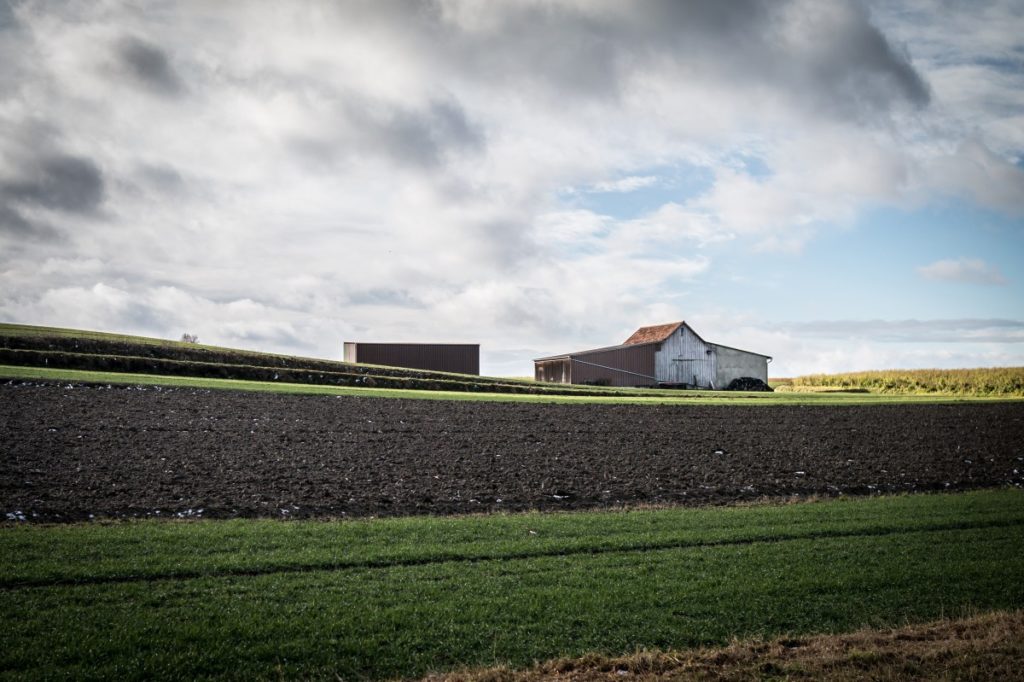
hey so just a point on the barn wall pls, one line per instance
(630, 366)
(350, 352)
(684, 359)
(733, 364)
(552, 371)
(463, 358)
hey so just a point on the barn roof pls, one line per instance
(645, 336)
(654, 334)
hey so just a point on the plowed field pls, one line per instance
(71, 452)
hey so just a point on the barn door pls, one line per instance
(694, 369)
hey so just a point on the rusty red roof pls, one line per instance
(654, 334)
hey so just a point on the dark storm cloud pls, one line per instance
(862, 69)
(827, 55)
(424, 137)
(14, 223)
(56, 182)
(60, 182)
(7, 18)
(421, 137)
(149, 66)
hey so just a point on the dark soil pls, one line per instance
(71, 452)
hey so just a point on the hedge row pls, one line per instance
(193, 353)
(297, 375)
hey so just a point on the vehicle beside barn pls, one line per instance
(670, 354)
(462, 358)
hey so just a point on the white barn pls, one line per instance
(667, 354)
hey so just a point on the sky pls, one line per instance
(839, 185)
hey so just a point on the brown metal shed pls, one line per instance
(625, 365)
(462, 358)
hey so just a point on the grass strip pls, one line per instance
(532, 553)
(8, 372)
(122, 364)
(411, 620)
(148, 549)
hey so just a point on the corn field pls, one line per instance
(993, 381)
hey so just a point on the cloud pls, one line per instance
(166, 312)
(13, 222)
(816, 180)
(795, 357)
(974, 171)
(668, 228)
(418, 137)
(966, 270)
(860, 63)
(385, 298)
(392, 167)
(8, 20)
(625, 185)
(816, 346)
(161, 178)
(59, 182)
(149, 66)
(913, 331)
(597, 48)
(360, 128)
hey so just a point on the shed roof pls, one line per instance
(653, 334)
(605, 349)
(748, 352)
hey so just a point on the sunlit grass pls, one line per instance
(672, 397)
(392, 598)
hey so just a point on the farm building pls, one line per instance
(666, 354)
(463, 358)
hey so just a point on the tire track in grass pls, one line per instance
(441, 559)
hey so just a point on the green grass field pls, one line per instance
(622, 396)
(383, 598)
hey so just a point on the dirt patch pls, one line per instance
(986, 647)
(70, 452)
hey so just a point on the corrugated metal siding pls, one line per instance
(552, 371)
(633, 366)
(463, 358)
(684, 359)
(350, 352)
